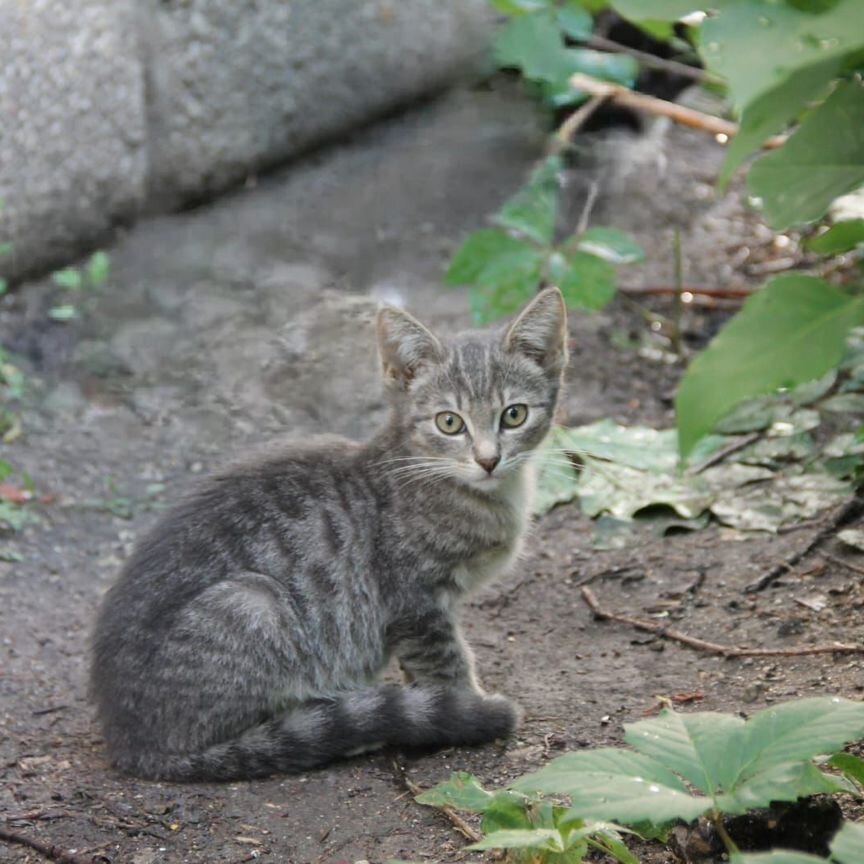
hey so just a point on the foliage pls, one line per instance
(535, 41)
(537, 831)
(506, 264)
(680, 767)
(786, 64)
(90, 277)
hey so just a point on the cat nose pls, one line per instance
(488, 464)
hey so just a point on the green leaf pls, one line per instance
(69, 278)
(655, 10)
(548, 839)
(637, 446)
(610, 783)
(851, 766)
(789, 332)
(97, 269)
(532, 44)
(822, 160)
(704, 748)
(771, 112)
(589, 282)
(779, 856)
(614, 847)
(462, 792)
(65, 312)
(800, 730)
(480, 252)
(755, 45)
(575, 20)
(506, 810)
(779, 783)
(848, 843)
(533, 208)
(838, 238)
(612, 245)
(520, 7)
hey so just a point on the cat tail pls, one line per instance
(323, 730)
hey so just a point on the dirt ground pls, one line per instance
(215, 332)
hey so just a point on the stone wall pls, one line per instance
(109, 108)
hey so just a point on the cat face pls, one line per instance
(474, 407)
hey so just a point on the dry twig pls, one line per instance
(652, 105)
(713, 647)
(49, 851)
(841, 516)
(651, 61)
(448, 812)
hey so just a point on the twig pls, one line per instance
(713, 647)
(448, 812)
(723, 452)
(855, 568)
(841, 516)
(574, 122)
(652, 105)
(590, 200)
(678, 296)
(697, 290)
(601, 43)
(52, 853)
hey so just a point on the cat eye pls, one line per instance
(514, 415)
(449, 423)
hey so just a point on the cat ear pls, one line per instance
(540, 332)
(405, 345)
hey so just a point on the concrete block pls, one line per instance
(72, 126)
(235, 87)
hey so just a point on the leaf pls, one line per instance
(548, 839)
(637, 446)
(755, 45)
(778, 856)
(520, 7)
(612, 245)
(839, 238)
(779, 783)
(575, 20)
(66, 312)
(655, 10)
(851, 766)
(789, 332)
(533, 208)
(618, 68)
(822, 160)
(848, 843)
(800, 730)
(773, 111)
(614, 847)
(532, 44)
(588, 282)
(69, 278)
(97, 269)
(615, 784)
(852, 537)
(476, 253)
(507, 810)
(704, 748)
(462, 792)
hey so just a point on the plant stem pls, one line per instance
(678, 302)
(728, 842)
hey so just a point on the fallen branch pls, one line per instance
(574, 122)
(651, 61)
(842, 516)
(448, 812)
(842, 562)
(712, 647)
(52, 853)
(652, 105)
(738, 444)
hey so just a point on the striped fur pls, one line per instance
(245, 634)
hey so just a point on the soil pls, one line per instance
(223, 326)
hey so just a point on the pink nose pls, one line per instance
(488, 464)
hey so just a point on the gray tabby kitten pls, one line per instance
(245, 633)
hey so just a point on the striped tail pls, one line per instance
(323, 730)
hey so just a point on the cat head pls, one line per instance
(473, 407)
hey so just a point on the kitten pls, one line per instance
(245, 633)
